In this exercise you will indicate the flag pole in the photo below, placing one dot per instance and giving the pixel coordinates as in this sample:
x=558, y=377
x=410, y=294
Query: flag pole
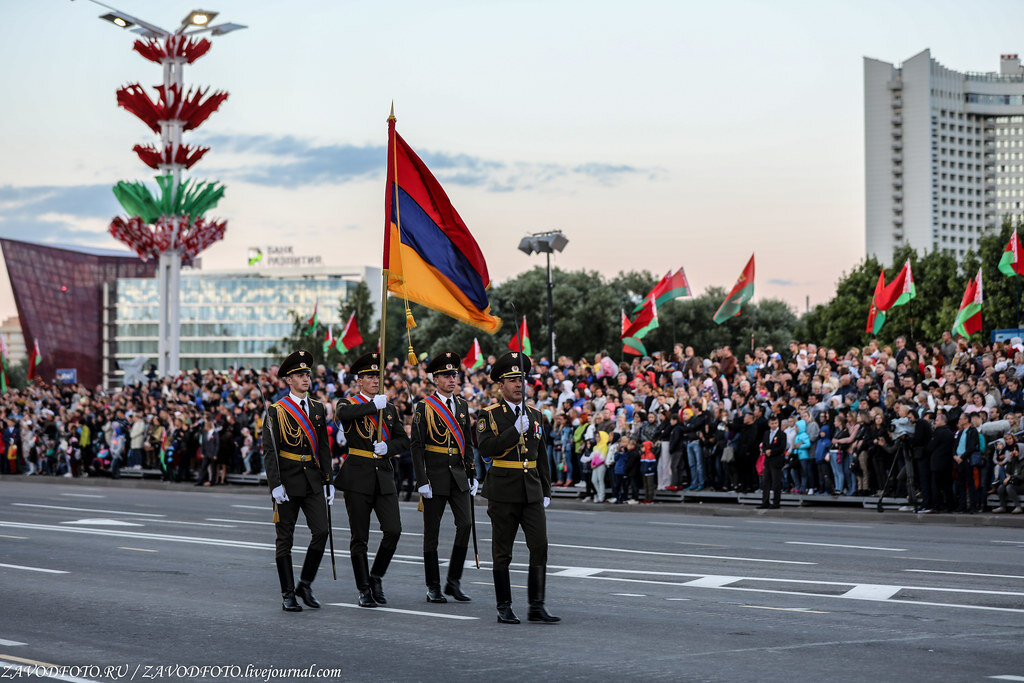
x=384, y=275
x=1016, y=290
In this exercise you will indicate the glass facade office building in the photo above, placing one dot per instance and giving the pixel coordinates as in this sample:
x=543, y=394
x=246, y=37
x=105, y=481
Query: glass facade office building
x=228, y=318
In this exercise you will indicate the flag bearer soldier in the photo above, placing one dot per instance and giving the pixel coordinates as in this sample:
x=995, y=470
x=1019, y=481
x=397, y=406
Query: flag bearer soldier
x=444, y=473
x=518, y=486
x=297, y=460
x=367, y=476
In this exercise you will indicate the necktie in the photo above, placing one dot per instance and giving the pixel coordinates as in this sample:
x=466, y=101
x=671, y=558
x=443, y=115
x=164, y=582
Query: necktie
x=304, y=408
x=517, y=411
x=451, y=407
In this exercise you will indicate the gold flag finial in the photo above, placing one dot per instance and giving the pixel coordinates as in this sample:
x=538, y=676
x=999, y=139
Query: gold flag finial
x=391, y=116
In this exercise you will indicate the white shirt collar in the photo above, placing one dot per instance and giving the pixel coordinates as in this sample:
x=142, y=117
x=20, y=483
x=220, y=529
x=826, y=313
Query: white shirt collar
x=513, y=406
x=297, y=399
x=368, y=398
x=444, y=400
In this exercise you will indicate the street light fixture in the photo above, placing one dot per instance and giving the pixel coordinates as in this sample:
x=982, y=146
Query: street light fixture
x=545, y=243
x=171, y=53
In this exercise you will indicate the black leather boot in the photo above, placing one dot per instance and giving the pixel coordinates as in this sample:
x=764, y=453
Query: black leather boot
x=535, y=595
x=287, y=576
x=380, y=565
x=503, y=596
x=433, y=575
x=306, y=576
x=458, y=561
x=362, y=576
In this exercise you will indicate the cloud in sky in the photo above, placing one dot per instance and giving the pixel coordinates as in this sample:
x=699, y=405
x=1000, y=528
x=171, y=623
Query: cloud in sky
x=75, y=214
x=289, y=161
x=781, y=282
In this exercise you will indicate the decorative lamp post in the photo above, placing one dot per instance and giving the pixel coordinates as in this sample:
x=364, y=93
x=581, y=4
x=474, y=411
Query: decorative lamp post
x=170, y=225
x=546, y=243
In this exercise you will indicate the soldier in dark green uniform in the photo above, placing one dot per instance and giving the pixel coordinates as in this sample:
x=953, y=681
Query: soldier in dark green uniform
x=297, y=460
x=518, y=486
x=367, y=476
x=444, y=472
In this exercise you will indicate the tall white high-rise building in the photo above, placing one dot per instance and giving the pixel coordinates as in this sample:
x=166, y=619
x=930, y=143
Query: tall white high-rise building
x=944, y=153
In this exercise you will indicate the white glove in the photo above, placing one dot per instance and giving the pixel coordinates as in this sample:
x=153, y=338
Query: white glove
x=522, y=424
x=279, y=495
x=547, y=501
x=379, y=401
x=425, y=491
x=329, y=492
x=474, y=486
x=380, y=447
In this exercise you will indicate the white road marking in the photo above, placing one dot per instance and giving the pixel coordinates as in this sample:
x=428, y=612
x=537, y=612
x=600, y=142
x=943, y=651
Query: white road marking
x=109, y=512
x=664, y=554
x=16, y=669
x=174, y=521
x=406, y=611
x=20, y=538
x=871, y=592
x=33, y=569
x=937, y=571
x=238, y=521
x=577, y=572
x=141, y=550
x=1008, y=677
x=712, y=581
x=818, y=524
x=787, y=609
x=704, y=526
x=677, y=599
x=103, y=522
x=264, y=508
x=1010, y=542
x=631, y=595
x=10, y=643
x=840, y=545
x=83, y=495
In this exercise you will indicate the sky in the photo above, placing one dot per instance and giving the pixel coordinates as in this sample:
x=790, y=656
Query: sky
x=653, y=134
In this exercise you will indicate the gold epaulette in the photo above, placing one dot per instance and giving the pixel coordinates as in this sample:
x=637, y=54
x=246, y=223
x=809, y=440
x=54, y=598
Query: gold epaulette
x=493, y=406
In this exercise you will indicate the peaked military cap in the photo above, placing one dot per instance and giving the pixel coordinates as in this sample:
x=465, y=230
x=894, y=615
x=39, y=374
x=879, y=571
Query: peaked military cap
x=512, y=364
x=446, y=363
x=369, y=362
x=300, y=361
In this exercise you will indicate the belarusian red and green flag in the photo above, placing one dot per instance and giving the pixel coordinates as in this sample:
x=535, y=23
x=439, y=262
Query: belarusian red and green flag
x=968, y=319
x=35, y=360
x=329, y=341
x=350, y=337
x=475, y=358
x=742, y=292
x=630, y=345
x=525, y=334
x=672, y=286
x=899, y=291
x=1012, y=261
x=3, y=365
x=314, y=319
x=876, y=316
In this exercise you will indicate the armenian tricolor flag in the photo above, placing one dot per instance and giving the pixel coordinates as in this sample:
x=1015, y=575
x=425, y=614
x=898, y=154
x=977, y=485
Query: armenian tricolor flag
x=429, y=254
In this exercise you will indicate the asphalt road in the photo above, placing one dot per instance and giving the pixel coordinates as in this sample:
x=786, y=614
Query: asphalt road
x=139, y=578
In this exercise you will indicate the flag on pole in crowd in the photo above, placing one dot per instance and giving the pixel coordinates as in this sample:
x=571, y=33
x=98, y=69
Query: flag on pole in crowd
x=968, y=319
x=631, y=345
x=742, y=292
x=329, y=341
x=314, y=319
x=3, y=365
x=35, y=360
x=513, y=343
x=475, y=358
x=672, y=286
x=899, y=291
x=430, y=256
x=876, y=316
x=1012, y=261
x=350, y=337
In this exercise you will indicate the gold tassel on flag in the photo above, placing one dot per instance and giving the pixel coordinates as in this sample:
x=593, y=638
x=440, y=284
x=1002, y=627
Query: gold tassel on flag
x=277, y=517
x=419, y=508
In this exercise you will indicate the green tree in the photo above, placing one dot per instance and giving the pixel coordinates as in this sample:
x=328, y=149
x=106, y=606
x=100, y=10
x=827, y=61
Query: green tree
x=360, y=303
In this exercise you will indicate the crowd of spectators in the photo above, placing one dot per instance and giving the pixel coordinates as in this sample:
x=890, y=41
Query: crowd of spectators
x=938, y=425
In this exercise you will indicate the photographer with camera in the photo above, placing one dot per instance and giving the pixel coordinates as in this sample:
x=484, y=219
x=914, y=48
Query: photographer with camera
x=1012, y=484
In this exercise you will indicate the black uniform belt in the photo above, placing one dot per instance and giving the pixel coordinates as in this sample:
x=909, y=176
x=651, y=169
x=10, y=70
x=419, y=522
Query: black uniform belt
x=364, y=454
x=304, y=457
x=430, y=448
x=515, y=464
